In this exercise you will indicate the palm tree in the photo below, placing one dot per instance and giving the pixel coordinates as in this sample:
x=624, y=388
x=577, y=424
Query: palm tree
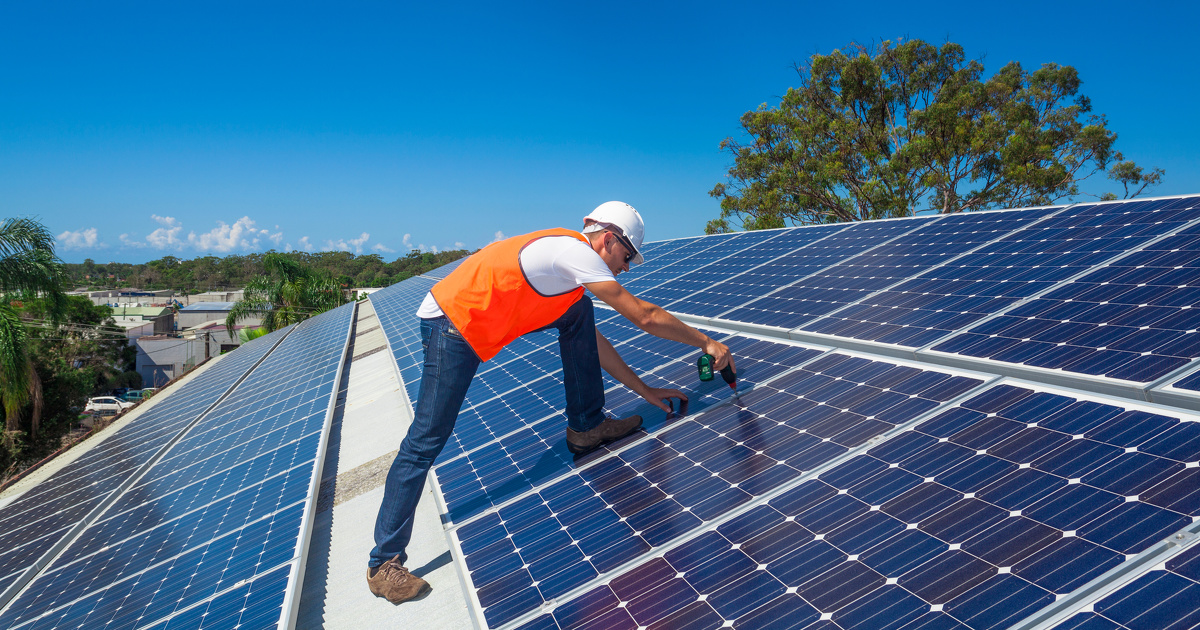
x=27, y=266
x=287, y=293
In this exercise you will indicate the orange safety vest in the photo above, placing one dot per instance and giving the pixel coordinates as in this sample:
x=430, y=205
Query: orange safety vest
x=490, y=301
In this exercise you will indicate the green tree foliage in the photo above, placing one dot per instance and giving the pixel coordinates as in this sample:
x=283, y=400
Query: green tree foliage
x=28, y=266
x=236, y=271
x=76, y=351
x=286, y=294
x=898, y=128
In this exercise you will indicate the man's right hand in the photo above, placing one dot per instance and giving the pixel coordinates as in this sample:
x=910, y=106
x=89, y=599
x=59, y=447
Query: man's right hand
x=720, y=354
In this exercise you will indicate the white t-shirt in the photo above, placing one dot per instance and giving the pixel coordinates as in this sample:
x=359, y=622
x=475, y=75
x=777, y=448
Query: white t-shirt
x=553, y=265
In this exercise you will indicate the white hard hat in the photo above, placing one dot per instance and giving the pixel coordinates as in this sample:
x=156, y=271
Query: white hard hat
x=623, y=217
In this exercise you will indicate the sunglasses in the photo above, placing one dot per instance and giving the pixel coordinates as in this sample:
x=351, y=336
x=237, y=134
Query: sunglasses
x=630, y=252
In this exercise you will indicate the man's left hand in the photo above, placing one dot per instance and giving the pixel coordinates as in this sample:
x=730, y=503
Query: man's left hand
x=656, y=395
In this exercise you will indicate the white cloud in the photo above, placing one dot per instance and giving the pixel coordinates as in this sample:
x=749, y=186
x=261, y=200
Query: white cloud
x=355, y=244
x=499, y=236
x=226, y=238
x=276, y=238
x=305, y=244
x=80, y=239
x=459, y=245
x=380, y=247
x=422, y=247
x=128, y=241
x=167, y=236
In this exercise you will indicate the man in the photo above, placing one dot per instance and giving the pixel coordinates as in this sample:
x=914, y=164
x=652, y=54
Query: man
x=507, y=289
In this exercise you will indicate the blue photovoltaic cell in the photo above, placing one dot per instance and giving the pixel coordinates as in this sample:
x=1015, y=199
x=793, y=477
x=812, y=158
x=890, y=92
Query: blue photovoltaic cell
x=40, y=518
x=720, y=285
x=977, y=518
x=1162, y=599
x=223, y=508
x=1130, y=320
x=693, y=470
x=959, y=292
x=1189, y=382
x=536, y=454
x=930, y=243
x=764, y=302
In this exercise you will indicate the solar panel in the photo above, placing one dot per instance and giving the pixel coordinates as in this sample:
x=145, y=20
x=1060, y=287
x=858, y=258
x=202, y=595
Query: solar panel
x=1130, y=319
x=563, y=535
x=695, y=253
x=33, y=527
x=694, y=292
x=843, y=489
x=931, y=243
x=932, y=302
x=978, y=517
x=774, y=293
x=222, y=518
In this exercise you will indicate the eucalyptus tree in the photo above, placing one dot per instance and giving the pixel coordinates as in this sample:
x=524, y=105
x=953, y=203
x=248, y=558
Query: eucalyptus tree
x=887, y=131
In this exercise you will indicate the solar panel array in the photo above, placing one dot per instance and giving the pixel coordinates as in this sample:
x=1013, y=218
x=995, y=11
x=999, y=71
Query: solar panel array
x=844, y=487
x=33, y=526
x=215, y=489
x=851, y=488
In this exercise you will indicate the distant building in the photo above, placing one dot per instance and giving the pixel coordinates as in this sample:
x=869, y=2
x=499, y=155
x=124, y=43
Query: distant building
x=163, y=317
x=214, y=296
x=129, y=297
x=199, y=313
x=217, y=336
x=161, y=358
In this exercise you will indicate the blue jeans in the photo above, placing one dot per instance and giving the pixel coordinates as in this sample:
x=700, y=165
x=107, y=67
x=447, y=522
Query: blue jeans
x=450, y=365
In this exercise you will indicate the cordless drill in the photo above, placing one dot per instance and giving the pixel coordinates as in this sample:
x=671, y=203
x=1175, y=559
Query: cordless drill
x=705, y=365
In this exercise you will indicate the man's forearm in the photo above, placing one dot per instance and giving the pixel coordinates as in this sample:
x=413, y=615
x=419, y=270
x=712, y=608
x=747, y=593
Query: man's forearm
x=664, y=325
x=616, y=367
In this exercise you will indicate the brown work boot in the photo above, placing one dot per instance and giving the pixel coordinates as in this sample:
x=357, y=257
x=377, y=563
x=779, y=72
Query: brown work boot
x=392, y=581
x=580, y=442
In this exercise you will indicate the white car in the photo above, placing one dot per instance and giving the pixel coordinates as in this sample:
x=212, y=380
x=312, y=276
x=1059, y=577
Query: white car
x=106, y=405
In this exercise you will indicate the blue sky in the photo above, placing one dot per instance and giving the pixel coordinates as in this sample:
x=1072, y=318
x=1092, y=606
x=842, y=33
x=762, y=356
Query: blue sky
x=137, y=130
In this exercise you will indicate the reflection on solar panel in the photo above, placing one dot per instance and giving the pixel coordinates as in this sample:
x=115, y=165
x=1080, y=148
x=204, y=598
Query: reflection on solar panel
x=930, y=244
x=1129, y=320
x=37, y=523
x=978, y=517
x=943, y=298
x=695, y=294
x=219, y=524
x=693, y=470
x=779, y=292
